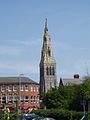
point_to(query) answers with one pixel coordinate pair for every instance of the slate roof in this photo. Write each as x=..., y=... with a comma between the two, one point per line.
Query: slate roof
x=16, y=80
x=67, y=81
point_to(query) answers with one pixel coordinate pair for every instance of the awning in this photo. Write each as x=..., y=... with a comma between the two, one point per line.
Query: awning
x=29, y=107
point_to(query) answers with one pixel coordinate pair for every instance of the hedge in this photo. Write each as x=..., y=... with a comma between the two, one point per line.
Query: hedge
x=59, y=114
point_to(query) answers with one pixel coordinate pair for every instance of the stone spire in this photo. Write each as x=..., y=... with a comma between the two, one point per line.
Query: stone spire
x=47, y=52
x=46, y=27
x=47, y=63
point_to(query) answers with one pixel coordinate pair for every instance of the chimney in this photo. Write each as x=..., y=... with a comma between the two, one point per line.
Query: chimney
x=76, y=76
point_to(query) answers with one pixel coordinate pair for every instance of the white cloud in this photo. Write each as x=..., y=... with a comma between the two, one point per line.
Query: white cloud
x=15, y=47
x=10, y=50
x=61, y=45
x=19, y=67
x=26, y=42
x=17, y=56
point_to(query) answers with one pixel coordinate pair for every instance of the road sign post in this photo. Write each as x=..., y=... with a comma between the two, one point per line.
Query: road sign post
x=83, y=103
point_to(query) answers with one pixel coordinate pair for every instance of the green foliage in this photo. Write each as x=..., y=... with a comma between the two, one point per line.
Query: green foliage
x=85, y=89
x=62, y=97
x=2, y=115
x=68, y=97
x=60, y=114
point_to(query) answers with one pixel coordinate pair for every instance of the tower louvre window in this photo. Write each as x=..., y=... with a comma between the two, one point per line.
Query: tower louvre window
x=47, y=70
x=49, y=52
x=50, y=70
x=53, y=71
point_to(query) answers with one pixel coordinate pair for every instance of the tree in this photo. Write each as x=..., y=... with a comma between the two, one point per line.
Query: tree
x=68, y=97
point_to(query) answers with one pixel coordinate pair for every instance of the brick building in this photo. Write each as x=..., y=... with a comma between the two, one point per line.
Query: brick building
x=18, y=92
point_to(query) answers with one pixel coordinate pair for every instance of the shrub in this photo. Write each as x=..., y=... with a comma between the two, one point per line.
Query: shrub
x=59, y=114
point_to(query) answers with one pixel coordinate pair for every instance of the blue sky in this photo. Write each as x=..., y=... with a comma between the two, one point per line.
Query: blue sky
x=21, y=36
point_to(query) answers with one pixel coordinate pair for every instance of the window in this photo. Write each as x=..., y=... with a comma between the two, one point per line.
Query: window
x=26, y=98
x=53, y=71
x=31, y=99
x=9, y=99
x=21, y=87
x=3, y=99
x=26, y=87
x=49, y=52
x=15, y=98
x=47, y=70
x=31, y=88
x=50, y=71
x=37, y=99
x=15, y=88
x=9, y=88
x=21, y=98
x=3, y=88
x=34, y=89
x=37, y=89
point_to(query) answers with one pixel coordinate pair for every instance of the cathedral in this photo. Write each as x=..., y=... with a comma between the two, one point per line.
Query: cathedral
x=47, y=63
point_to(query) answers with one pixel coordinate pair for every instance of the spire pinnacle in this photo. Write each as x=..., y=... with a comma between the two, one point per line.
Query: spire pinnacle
x=46, y=27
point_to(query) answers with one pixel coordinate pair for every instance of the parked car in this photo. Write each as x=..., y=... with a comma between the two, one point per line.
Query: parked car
x=28, y=116
x=41, y=118
x=48, y=119
x=38, y=118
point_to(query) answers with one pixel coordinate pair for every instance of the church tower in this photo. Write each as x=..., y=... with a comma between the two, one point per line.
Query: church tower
x=47, y=64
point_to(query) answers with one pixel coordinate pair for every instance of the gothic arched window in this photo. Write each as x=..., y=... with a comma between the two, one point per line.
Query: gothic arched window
x=53, y=71
x=47, y=71
x=50, y=70
x=49, y=52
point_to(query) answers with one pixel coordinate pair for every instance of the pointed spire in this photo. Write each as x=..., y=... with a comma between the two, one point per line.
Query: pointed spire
x=46, y=27
x=46, y=23
x=61, y=82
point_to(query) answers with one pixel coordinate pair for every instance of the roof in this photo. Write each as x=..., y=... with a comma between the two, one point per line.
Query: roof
x=67, y=81
x=16, y=80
